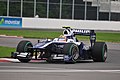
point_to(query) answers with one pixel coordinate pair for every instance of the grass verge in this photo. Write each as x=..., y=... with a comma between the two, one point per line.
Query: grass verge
x=31, y=33
x=6, y=51
x=101, y=36
x=108, y=37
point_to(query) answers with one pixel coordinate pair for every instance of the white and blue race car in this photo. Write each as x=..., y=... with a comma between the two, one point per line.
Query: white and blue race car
x=66, y=48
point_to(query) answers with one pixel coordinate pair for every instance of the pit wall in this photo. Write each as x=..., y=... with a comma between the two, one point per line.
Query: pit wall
x=59, y=23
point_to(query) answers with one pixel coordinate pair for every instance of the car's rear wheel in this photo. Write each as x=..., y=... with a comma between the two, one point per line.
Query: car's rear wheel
x=99, y=52
x=23, y=47
x=72, y=51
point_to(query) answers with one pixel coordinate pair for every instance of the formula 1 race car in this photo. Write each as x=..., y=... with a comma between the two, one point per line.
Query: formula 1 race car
x=66, y=48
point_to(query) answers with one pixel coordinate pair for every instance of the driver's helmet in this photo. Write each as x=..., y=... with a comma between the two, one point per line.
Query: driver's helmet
x=62, y=38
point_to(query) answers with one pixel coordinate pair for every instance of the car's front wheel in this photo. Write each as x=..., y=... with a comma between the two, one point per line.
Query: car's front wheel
x=22, y=47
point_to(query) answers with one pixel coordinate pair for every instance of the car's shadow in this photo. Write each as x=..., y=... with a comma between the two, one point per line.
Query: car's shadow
x=56, y=62
x=61, y=62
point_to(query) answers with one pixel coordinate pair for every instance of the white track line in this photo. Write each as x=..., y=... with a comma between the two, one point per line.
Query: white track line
x=61, y=71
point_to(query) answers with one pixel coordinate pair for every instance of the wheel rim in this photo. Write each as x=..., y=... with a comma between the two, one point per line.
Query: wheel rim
x=26, y=46
x=104, y=53
x=75, y=53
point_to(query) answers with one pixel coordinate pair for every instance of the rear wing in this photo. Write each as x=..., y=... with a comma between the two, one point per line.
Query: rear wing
x=83, y=32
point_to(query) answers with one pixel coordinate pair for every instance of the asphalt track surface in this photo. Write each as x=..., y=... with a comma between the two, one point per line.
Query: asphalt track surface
x=83, y=70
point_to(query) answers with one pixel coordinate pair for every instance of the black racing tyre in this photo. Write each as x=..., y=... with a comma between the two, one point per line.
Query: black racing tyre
x=23, y=47
x=49, y=53
x=99, y=52
x=50, y=50
x=72, y=50
x=49, y=58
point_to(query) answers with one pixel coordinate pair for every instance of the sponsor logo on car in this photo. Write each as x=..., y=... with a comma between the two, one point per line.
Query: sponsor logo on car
x=81, y=31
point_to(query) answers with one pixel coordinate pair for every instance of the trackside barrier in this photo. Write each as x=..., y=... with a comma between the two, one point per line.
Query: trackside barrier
x=12, y=22
x=79, y=24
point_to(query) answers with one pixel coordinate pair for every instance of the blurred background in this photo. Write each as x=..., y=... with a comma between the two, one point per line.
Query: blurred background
x=107, y=10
